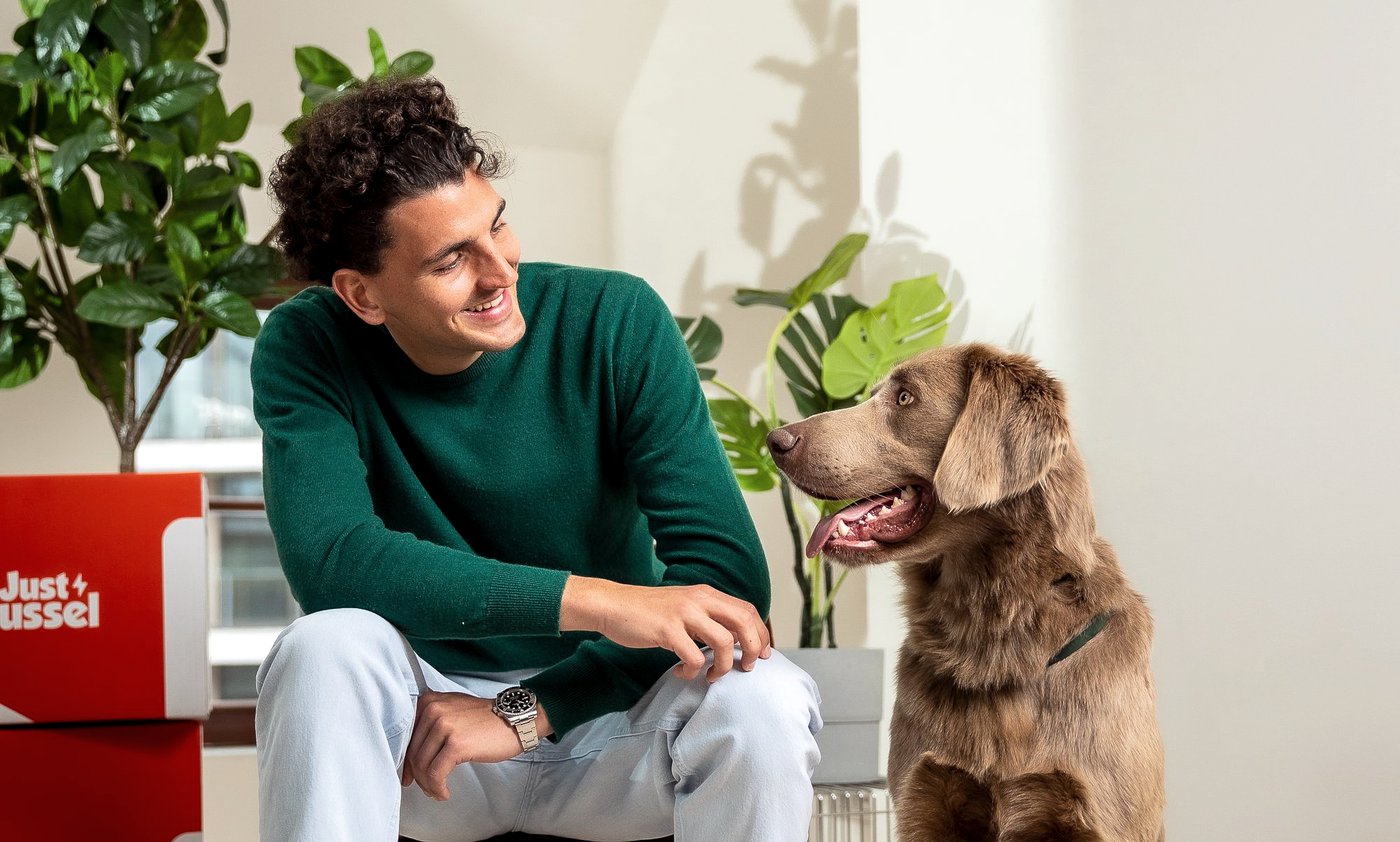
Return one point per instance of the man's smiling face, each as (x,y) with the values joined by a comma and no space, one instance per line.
(445,288)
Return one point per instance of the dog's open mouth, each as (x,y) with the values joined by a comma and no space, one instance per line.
(866,524)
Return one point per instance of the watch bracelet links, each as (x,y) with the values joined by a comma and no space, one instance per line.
(529,736)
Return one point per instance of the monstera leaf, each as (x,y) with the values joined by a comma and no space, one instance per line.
(703,337)
(800,357)
(744,437)
(913,318)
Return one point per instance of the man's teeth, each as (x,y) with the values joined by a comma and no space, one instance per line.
(488,305)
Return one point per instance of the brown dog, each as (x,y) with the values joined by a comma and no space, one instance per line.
(1025,708)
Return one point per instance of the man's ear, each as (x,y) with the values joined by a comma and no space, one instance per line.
(353,288)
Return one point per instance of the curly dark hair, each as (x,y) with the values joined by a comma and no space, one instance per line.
(360,155)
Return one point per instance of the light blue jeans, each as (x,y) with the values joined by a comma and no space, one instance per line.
(337,697)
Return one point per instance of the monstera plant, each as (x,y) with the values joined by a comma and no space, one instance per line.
(831,350)
(115,153)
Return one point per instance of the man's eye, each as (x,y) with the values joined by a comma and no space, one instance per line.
(496,229)
(448,267)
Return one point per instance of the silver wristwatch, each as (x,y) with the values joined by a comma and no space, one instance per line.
(516,705)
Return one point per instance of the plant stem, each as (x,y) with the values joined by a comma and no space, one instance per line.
(799,563)
(740,395)
(64,284)
(772,357)
(179,349)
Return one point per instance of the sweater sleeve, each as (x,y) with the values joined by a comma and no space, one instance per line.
(694,510)
(333,548)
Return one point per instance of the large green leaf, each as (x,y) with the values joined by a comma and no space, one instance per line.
(124,179)
(204,194)
(169,89)
(23,69)
(237,123)
(800,357)
(109,76)
(27,355)
(744,437)
(244,169)
(913,318)
(124,304)
(125,25)
(321,68)
(412,63)
(73,153)
(14,212)
(376,52)
(202,128)
(704,338)
(12,304)
(231,311)
(185,34)
(77,211)
(118,237)
(835,267)
(248,269)
(222,55)
(772,298)
(62,29)
(182,241)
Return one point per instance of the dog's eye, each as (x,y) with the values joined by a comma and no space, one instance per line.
(904,397)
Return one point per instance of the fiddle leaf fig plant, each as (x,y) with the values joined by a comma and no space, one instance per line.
(832,350)
(325,77)
(115,153)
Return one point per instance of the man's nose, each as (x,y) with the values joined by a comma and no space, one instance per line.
(496,271)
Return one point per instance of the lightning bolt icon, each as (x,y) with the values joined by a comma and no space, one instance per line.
(79,585)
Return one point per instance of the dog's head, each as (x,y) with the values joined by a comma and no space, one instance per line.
(952,430)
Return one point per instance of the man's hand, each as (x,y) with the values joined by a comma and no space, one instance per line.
(672,617)
(453,728)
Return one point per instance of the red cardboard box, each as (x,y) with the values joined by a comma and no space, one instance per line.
(103,600)
(109,782)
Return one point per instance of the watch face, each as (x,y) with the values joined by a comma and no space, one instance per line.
(516,700)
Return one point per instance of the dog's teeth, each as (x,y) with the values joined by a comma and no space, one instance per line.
(842,529)
(899,501)
(906,493)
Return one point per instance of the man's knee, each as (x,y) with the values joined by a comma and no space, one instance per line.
(338,640)
(777,694)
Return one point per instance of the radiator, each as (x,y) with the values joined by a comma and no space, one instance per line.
(847,813)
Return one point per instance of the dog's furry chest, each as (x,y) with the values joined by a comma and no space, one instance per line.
(990,732)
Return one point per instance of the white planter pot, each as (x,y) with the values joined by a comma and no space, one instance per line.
(852,684)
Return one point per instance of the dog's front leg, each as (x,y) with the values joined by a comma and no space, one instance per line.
(939,803)
(1043,807)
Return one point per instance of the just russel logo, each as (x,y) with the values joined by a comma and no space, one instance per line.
(46,602)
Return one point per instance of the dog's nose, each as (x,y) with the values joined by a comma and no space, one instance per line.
(782,440)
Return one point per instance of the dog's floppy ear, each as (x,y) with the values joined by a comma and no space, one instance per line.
(1012,429)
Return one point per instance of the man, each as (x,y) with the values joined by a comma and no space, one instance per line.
(495,489)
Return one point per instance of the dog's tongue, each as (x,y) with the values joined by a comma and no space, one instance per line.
(828,524)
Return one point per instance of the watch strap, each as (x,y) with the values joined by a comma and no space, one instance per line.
(529,737)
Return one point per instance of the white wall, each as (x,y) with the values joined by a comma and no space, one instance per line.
(712,191)
(1202,219)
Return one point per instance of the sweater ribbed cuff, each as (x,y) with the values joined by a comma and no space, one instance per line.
(525,600)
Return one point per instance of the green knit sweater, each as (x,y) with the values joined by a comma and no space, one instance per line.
(455,506)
